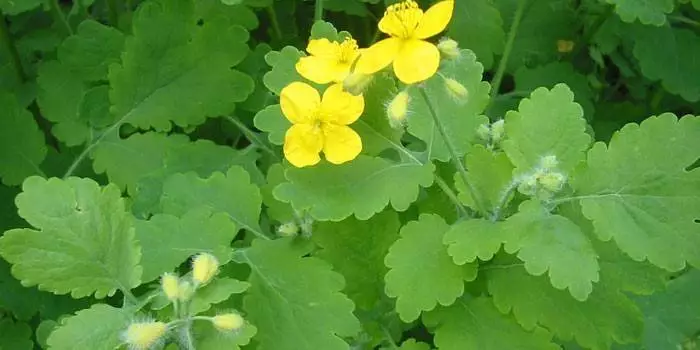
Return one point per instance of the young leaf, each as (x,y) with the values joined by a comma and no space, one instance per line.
(15,335)
(549,123)
(534,302)
(477,325)
(357,249)
(167,240)
(295,301)
(22,145)
(99,328)
(491,174)
(648,11)
(283,69)
(219,290)
(84,242)
(421,274)
(638,191)
(232,194)
(173,70)
(477,25)
(460,118)
(474,238)
(362,187)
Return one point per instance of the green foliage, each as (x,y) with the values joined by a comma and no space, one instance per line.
(538,191)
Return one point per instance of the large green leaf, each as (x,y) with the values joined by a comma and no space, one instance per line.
(646,11)
(421,274)
(357,249)
(490,173)
(295,301)
(15,335)
(99,327)
(477,325)
(362,187)
(283,69)
(91,51)
(475,238)
(84,242)
(477,25)
(637,190)
(173,70)
(460,118)
(22,145)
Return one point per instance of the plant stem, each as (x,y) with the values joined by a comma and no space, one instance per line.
(129,298)
(276,30)
(9,45)
(451,195)
(59,16)
(686,20)
(389,339)
(252,137)
(496,215)
(318,11)
(454,156)
(503,64)
(113,13)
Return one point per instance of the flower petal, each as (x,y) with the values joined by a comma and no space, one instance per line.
(418,60)
(341,144)
(299,101)
(378,56)
(435,20)
(340,107)
(302,144)
(317,69)
(323,48)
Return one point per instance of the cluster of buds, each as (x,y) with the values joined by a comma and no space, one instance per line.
(492,133)
(545,181)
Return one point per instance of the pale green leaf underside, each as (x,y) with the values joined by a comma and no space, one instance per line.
(646,11)
(99,328)
(83,242)
(490,173)
(217,291)
(421,274)
(637,191)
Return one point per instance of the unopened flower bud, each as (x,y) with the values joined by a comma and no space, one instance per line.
(397,110)
(528,186)
(185,291)
(289,229)
(228,322)
(552,181)
(549,162)
(449,49)
(498,130)
(144,335)
(484,132)
(170,284)
(356,83)
(565,46)
(204,267)
(456,90)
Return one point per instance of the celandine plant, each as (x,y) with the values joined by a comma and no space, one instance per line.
(453,175)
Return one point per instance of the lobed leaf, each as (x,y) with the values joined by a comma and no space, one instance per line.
(646,11)
(477,25)
(22,145)
(99,328)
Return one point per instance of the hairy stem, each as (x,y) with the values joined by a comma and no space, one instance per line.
(497,210)
(252,137)
(318,11)
(454,156)
(59,16)
(9,45)
(503,64)
(451,195)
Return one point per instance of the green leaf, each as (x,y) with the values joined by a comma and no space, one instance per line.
(98,328)
(364,187)
(549,123)
(21,301)
(295,301)
(142,162)
(272,121)
(209,338)
(421,274)
(276,210)
(412,344)
(373,126)
(474,238)
(477,325)
(477,25)
(219,290)
(173,70)
(357,249)
(459,118)
(490,173)
(91,51)
(551,74)
(669,55)
(552,243)
(233,14)
(22,147)
(671,317)
(232,194)
(534,302)
(84,242)
(646,11)
(637,190)
(15,335)
(15,7)
(544,22)
(167,241)
(283,69)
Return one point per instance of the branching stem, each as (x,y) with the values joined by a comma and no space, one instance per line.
(252,137)
(59,16)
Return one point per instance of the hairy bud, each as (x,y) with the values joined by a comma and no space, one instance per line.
(397,110)
(170,284)
(356,83)
(204,267)
(228,322)
(456,90)
(144,335)
(449,48)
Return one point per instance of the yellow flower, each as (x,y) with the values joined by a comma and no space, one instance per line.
(329,61)
(414,58)
(320,124)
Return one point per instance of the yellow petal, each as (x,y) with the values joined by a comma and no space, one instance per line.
(340,107)
(323,48)
(317,69)
(342,143)
(435,20)
(401,19)
(418,60)
(299,102)
(378,56)
(302,144)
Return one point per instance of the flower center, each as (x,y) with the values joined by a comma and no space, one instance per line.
(348,50)
(407,14)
